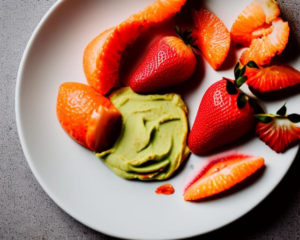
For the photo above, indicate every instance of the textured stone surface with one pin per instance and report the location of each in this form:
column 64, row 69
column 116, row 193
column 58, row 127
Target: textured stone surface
column 26, row 211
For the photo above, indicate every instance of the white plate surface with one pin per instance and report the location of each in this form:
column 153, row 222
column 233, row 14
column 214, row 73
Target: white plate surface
column 79, row 182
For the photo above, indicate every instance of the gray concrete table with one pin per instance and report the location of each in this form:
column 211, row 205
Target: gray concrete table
column 26, row 211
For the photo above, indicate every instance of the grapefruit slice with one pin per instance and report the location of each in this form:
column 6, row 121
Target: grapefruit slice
column 272, row 78
column 213, row 37
column 82, row 112
column 102, row 56
column 222, row 174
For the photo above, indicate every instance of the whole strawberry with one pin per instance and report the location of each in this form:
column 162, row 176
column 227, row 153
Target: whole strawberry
column 170, row 60
column 223, row 116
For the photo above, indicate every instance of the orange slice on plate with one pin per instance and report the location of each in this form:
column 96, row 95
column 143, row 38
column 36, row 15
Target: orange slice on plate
column 213, row 37
column 222, row 174
column 88, row 117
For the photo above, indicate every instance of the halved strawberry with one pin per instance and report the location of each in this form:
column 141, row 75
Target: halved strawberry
column 222, row 174
column 280, row 131
column 271, row 78
column 213, row 37
column 89, row 118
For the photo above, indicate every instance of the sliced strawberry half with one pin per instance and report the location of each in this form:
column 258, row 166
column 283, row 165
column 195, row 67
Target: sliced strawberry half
column 271, row 78
column 222, row 174
column 280, row 131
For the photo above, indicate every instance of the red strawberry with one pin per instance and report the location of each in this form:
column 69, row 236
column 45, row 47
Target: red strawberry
column 170, row 61
column 224, row 115
column 222, row 174
column 88, row 117
column 280, row 131
column 271, row 78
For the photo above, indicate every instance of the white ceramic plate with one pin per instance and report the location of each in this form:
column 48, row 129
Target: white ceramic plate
column 79, row 182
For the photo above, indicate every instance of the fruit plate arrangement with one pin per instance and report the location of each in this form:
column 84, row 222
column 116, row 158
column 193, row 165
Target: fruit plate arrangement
column 79, row 182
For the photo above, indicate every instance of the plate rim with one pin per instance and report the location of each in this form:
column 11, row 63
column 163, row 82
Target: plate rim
column 44, row 186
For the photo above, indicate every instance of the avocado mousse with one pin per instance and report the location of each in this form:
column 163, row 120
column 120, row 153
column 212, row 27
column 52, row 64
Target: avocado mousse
column 152, row 143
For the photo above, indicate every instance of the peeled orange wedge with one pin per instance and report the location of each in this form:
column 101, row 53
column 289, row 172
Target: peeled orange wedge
column 222, row 174
column 259, row 28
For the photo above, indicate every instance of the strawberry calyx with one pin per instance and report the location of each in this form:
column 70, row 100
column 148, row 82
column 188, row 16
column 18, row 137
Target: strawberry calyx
column 186, row 37
column 242, row 99
column 280, row 114
column 239, row 72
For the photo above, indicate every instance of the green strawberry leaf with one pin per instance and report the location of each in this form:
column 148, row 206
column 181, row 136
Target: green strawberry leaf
column 177, row 30
column 189, row 39
column 195, row 49
column 243, row 70
column 257, row 108
column 237, row 66
column 263, row 118
column 295, row 118
column 252, row 64
column 186, row 34
column 240, row 81
column 237, row 73
column 241, row 100
column 282, row 110
column 231, row 88
column 192, row 41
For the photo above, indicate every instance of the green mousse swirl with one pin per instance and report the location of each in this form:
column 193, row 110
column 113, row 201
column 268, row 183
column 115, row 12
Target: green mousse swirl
column 152, row 144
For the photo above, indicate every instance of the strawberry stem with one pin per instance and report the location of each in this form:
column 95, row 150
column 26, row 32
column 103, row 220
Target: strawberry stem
column 187, row 38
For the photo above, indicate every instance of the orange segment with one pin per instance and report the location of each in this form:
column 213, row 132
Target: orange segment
column 105, row 51
column 213, row 37
column 90, row 56
column 263, row 49
column 162, row 10
column 272, row 78
column 82, row 111
column 108, row 61
column 222, row 174
column 257, row 15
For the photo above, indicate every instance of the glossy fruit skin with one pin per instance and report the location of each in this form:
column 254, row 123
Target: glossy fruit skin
column 77, row 104
column 169, row 61
column 219, row 121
